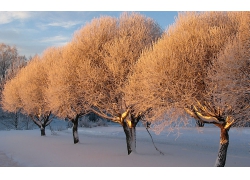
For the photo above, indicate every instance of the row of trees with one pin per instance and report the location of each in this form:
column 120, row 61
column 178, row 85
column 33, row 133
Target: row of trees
column 88, row 74
column 127, row 70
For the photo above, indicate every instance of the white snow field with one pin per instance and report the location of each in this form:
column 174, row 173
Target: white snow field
column 106, row 147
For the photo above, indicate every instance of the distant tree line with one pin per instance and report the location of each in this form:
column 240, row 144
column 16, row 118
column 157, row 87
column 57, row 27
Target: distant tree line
column 10, row 63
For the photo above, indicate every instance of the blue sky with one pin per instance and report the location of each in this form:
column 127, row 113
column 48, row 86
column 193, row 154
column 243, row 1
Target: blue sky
column 34, row 27
column 33, row 31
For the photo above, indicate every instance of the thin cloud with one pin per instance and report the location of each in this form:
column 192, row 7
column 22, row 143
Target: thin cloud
column 9, row 16
column 68, row 24
column 55, row 39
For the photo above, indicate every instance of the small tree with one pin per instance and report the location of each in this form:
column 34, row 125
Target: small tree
column 26, row 92
column 63, row 81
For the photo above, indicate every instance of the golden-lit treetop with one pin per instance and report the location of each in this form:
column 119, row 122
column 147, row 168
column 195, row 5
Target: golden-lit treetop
column 100, row 56
column 133, row 33
column 171, row 75
column 11, row 100
column 26, row 92
column 63, row 83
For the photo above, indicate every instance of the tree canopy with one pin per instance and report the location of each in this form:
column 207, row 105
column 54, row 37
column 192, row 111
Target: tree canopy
column 172, row 75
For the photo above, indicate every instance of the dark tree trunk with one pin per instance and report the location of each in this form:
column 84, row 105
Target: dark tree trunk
column 199, row 123
column 75, row 129
column 133, row 139
column 41, row 123
column 45, row 123
column 42, row 130
column 130, row 137
column 224, row 142
column 16, row 121
column 130, row 133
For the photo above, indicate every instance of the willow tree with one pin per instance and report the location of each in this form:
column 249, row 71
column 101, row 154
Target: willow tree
column 174, row 77
column 106, row 49
column 64, row 99
column 227, row 99
column 134, row 33
column 26, row 93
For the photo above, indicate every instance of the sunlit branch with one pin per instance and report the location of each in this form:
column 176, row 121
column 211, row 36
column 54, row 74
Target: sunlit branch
column 125, row 114
column 114, row 119
column 205, row 109
column 229, row 122
column 208, row 119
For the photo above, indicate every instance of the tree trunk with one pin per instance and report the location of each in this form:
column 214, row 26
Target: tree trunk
column 40, row 124
column 16, row 121
column 133, row 138
column 224, row 142
column 130, row 137
column 75, row 129
column 199, row 123
column 45, row 122
column 42, row 130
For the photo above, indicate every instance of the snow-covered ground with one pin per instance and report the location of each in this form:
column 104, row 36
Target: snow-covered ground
column 106, row 147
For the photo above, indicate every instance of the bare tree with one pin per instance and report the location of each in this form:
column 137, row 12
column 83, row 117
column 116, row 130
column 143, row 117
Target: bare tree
column 15, row 66
column 172, row 77
column 10, row 61
column 8, row 54
column 26, row 92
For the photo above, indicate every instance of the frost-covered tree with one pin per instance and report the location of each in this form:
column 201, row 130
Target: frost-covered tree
column 227, row 98
column 109, row 47
column 10, row 61
column 64, row 97
column 11, row 101
column 7, row 55
column 26, row 93
column 174, row 77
